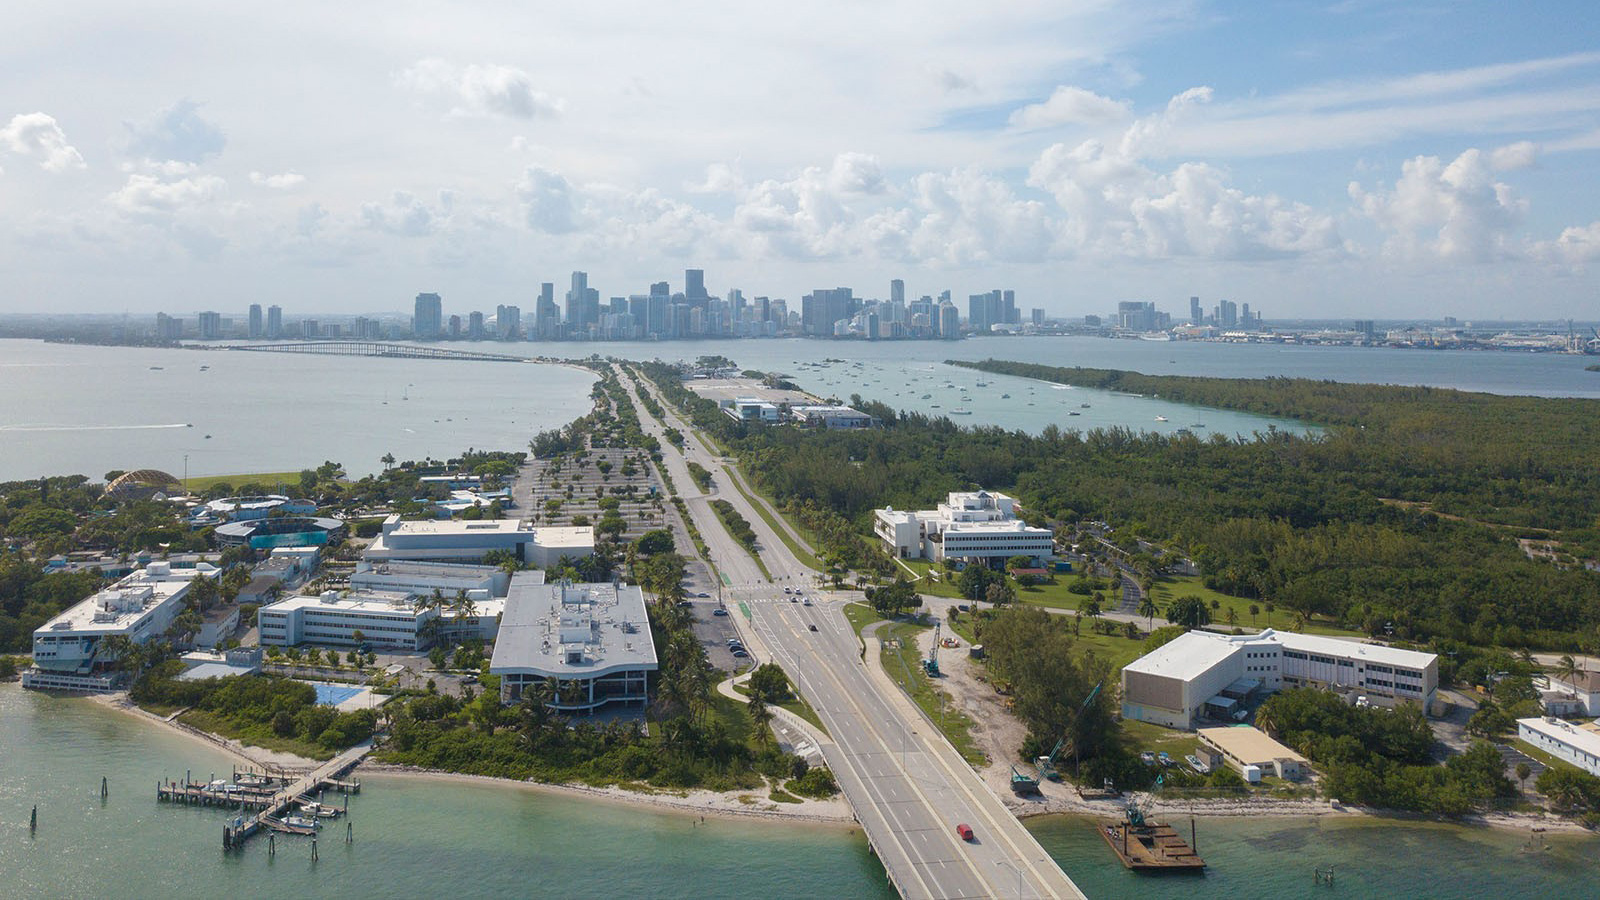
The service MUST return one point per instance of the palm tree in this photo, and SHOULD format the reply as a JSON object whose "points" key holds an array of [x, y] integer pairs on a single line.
{"points": [[1147, 608], [1254, 611], [760, 717], [1566, 669]]}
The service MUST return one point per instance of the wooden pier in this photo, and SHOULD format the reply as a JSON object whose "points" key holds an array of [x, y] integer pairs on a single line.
{"points": [[1155, 847], [269, 798]]}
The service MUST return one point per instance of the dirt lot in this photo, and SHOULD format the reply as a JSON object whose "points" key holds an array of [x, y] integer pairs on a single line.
{"points": [[735, 388]]}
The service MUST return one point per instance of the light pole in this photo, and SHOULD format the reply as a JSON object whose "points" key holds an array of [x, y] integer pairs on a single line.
{"points": [[1016, 870], [186, 473]]}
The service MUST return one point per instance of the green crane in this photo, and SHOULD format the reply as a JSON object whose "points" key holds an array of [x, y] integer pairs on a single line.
{"points": [[1047, 764]]}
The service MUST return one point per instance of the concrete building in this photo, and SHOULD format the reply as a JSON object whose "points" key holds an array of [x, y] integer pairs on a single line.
{"points": [[1202, 674], [469, 541], [1575, 696], [280, 531], [427, 319], [1563, 740], [830, 417], [1252, 753], [968, 525], [752, 409], [426, 577], [590, 641], [389, 619], [238, 509], [69, 652]]}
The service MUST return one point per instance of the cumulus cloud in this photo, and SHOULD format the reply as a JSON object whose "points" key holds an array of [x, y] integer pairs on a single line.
{"points": [[146, 195], [480, 90], [405, 215], [1069, 106], [1454, 210], [721, 178], [1521, 155], [280, 182], [37, 134], [177, 133], [547, 201]]}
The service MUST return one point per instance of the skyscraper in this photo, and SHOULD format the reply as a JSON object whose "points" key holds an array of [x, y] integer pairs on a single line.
{"points": [[575, 297], [274, 322], [508, 322], [475, 326], [427, 321], [210, 324], [694, 286], [1196, 316], [255, 321], [897, 291]]}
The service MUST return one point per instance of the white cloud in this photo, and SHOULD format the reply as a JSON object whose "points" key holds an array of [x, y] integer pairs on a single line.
{"points": [[280, 182], [147, 195], [1521, 155], [721, 178], [406, 216], [1454, 211], [481, 90], [1069, 106], [547, 201], [1577, 246], [37, 134], [176, 133]]}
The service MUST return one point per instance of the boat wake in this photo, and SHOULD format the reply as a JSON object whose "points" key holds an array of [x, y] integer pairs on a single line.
{"points": [[90, 427]]}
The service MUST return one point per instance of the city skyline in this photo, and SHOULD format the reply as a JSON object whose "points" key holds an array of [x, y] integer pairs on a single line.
{"points": [[1292, 158]]}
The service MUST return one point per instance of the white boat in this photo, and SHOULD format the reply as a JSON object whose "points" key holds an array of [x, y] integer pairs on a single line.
{"points": [[1195, 764], [960, 412], [301, 822], [1161, 418]]}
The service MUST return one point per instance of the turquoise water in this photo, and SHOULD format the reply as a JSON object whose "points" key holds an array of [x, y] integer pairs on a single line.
{"points": [[413, 837]]}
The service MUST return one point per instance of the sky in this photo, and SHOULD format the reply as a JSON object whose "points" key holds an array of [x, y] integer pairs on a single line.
{"points": [[1314, 159]]}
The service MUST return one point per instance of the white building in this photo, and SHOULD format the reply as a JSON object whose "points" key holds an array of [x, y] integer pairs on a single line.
{"points": [[1202, 674], [426, 577], [68, 651], [1563, 740], [968, 525], [1575, 696], [832, 417], [469, 541], [751, 409], [591, 641], [240, 509]]}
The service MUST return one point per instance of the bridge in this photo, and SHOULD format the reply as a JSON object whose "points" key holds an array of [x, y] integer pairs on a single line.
{"points": [[379, 348]]}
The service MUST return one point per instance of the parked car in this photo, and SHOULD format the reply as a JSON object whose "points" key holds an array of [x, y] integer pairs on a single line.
{"points": [[812, 627], [703, 595], [788, 590], [719, 611], [740, 654], [965, 831], [1147, 758]]}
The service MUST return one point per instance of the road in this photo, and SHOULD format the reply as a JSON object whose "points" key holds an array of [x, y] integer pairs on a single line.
{"points": [[907, 785]]}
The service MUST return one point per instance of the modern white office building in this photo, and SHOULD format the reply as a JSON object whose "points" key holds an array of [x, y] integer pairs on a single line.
{"points": [[968, 525], [1205, 675], [241, 509], [427, 577], [395, 620], [590, 641], [1575, 744], [69, 652], [468, 541], [831, 417]]}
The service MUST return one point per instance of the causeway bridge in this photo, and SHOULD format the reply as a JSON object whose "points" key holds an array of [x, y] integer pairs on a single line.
{"points": [[378, 348]]}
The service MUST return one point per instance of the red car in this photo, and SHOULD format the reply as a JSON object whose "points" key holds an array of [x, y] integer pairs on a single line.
{"points": [[965, 831]]}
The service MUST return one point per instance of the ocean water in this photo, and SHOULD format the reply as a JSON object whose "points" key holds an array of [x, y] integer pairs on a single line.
{"points": [[68, 409], [417, 837], [413, 837]]}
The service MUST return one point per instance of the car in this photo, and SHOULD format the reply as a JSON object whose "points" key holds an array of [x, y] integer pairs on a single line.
{"points": [[963, 607], [1147, 758], [965, 831], [703, 595], [719, 611], [741, 654], [788, 590], [685, 602], [794, 599], [1165, 759], [734, 642], [812, 627], [808, 601]]}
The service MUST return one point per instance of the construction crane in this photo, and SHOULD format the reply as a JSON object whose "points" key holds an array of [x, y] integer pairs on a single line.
{"points": [[931, 664], [1047, 764], [1136, 809]]}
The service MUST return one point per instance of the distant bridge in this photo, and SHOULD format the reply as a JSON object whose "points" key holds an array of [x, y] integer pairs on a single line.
{"points": [[378, 348]]}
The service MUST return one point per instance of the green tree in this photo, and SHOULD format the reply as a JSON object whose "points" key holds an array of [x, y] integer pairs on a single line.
{"points": [[1189, 611], [770, 682]]}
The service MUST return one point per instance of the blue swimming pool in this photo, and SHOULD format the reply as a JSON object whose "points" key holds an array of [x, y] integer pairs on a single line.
{"points": [[334, 694]]}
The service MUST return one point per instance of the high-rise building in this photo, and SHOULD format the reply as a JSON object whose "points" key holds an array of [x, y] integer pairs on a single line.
{"points": [[475, 329], [1367, 328], [897, 291], [1244, 315], [256, 328], [1008, 308], [1196, 316], [274, 322], [310, 329], [508, 322], [1227, 314], [428, 317], [694, 286], [168, 328], [1136, 315], [575, 299], [1037, 316], [949, 320], [210, 325], [454, 331], [985, 310]]}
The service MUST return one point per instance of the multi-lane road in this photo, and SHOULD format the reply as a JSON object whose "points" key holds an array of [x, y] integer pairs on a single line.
{"points": [[907, 785]]}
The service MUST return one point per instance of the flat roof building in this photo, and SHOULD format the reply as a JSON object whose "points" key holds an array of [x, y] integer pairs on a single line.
{"points": [[832, 417], [239, 509], [1563, 740], [69, 651], [426, 577], [1245, 747], [470, 541], [1174, 684], [590, 642], [968, 525]]}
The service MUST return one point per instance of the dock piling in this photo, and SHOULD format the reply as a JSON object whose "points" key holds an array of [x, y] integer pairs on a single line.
{"points": [[349, 832], [33, 819], [105, 788], [313, 846]]}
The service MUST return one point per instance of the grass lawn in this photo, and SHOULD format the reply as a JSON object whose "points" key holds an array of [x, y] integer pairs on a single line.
{"points": [[270, 479], [904, 665], [796, 705], [926, 584], [805, 556], [861, 615], [257, 737]]}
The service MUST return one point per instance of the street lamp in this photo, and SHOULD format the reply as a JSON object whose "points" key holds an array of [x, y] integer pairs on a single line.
{"points": [[1017, 870]]}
